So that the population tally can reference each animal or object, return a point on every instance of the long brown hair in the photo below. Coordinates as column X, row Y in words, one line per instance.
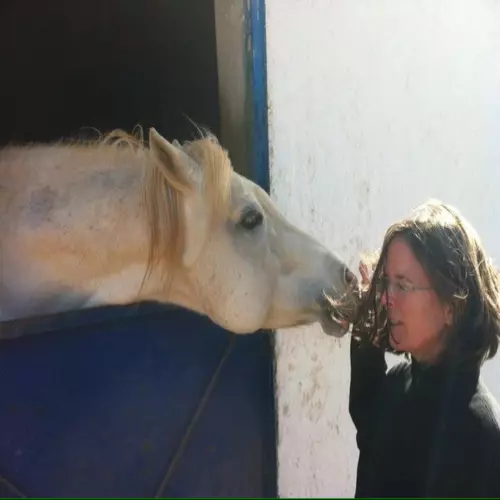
column 463, row 276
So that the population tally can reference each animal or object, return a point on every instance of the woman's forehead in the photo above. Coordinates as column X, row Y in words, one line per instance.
column 401, row 262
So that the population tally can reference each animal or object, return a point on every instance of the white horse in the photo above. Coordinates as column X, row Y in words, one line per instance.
column 118, row 222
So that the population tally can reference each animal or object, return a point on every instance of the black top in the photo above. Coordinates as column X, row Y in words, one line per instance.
column 422, row 431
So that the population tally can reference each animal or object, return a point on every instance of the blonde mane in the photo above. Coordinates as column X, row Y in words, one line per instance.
column 164, row 189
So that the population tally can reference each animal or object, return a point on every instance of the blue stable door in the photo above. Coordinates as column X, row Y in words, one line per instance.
column 159, row 403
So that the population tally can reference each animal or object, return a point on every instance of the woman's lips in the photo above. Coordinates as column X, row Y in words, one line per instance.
column 393, row 327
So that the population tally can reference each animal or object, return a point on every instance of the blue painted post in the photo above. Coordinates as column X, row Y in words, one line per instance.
column 255, row 33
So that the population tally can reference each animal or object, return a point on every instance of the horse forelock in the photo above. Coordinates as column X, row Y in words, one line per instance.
column 163, row 199
column 217, row 171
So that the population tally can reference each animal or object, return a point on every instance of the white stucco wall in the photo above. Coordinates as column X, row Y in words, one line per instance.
column 363, row 95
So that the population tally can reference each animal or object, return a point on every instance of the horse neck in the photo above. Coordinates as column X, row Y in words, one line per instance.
column 123, row 242
column 129, row 286
column 84, row 241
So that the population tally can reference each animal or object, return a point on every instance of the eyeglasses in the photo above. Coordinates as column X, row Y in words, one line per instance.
column 398, row 287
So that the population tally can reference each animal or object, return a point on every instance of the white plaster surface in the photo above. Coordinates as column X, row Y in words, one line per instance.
column 374, row 107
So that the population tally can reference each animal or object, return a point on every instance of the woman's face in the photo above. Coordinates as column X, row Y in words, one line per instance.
column 417, row 317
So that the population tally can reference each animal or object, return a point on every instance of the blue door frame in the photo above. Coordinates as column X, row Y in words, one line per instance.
column 143, row 400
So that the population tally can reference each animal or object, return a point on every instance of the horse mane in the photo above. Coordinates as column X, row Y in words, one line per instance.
column 163, row 190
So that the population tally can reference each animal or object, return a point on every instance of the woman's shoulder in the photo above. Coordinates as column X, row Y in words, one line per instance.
column 485, row 409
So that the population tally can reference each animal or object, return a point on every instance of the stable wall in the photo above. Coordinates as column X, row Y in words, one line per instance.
column 373, row 108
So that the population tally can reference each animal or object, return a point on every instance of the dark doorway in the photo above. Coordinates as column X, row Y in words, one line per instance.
column 106, row 64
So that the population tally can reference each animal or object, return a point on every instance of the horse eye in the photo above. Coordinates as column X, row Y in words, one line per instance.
column 251, row 219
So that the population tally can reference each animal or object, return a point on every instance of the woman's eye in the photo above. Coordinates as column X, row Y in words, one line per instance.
column 404, row 287
column 251, row 219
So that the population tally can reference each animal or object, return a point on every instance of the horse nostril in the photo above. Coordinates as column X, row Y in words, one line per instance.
column 350, row 278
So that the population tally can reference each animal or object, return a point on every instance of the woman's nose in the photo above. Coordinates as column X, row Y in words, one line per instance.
column 387, row 299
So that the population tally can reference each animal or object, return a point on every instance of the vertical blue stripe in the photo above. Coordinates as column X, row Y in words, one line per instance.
column 257, row 79
column 257, row 111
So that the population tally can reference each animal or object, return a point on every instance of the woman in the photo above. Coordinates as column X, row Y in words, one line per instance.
column 427, row 427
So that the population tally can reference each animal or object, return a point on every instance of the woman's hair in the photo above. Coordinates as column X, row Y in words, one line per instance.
column 451, row 253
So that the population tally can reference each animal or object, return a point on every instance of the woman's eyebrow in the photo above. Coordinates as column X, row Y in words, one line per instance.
column 402, row 277
column 399, row 276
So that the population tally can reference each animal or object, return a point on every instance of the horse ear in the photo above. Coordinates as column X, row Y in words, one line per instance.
column 179, row 168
